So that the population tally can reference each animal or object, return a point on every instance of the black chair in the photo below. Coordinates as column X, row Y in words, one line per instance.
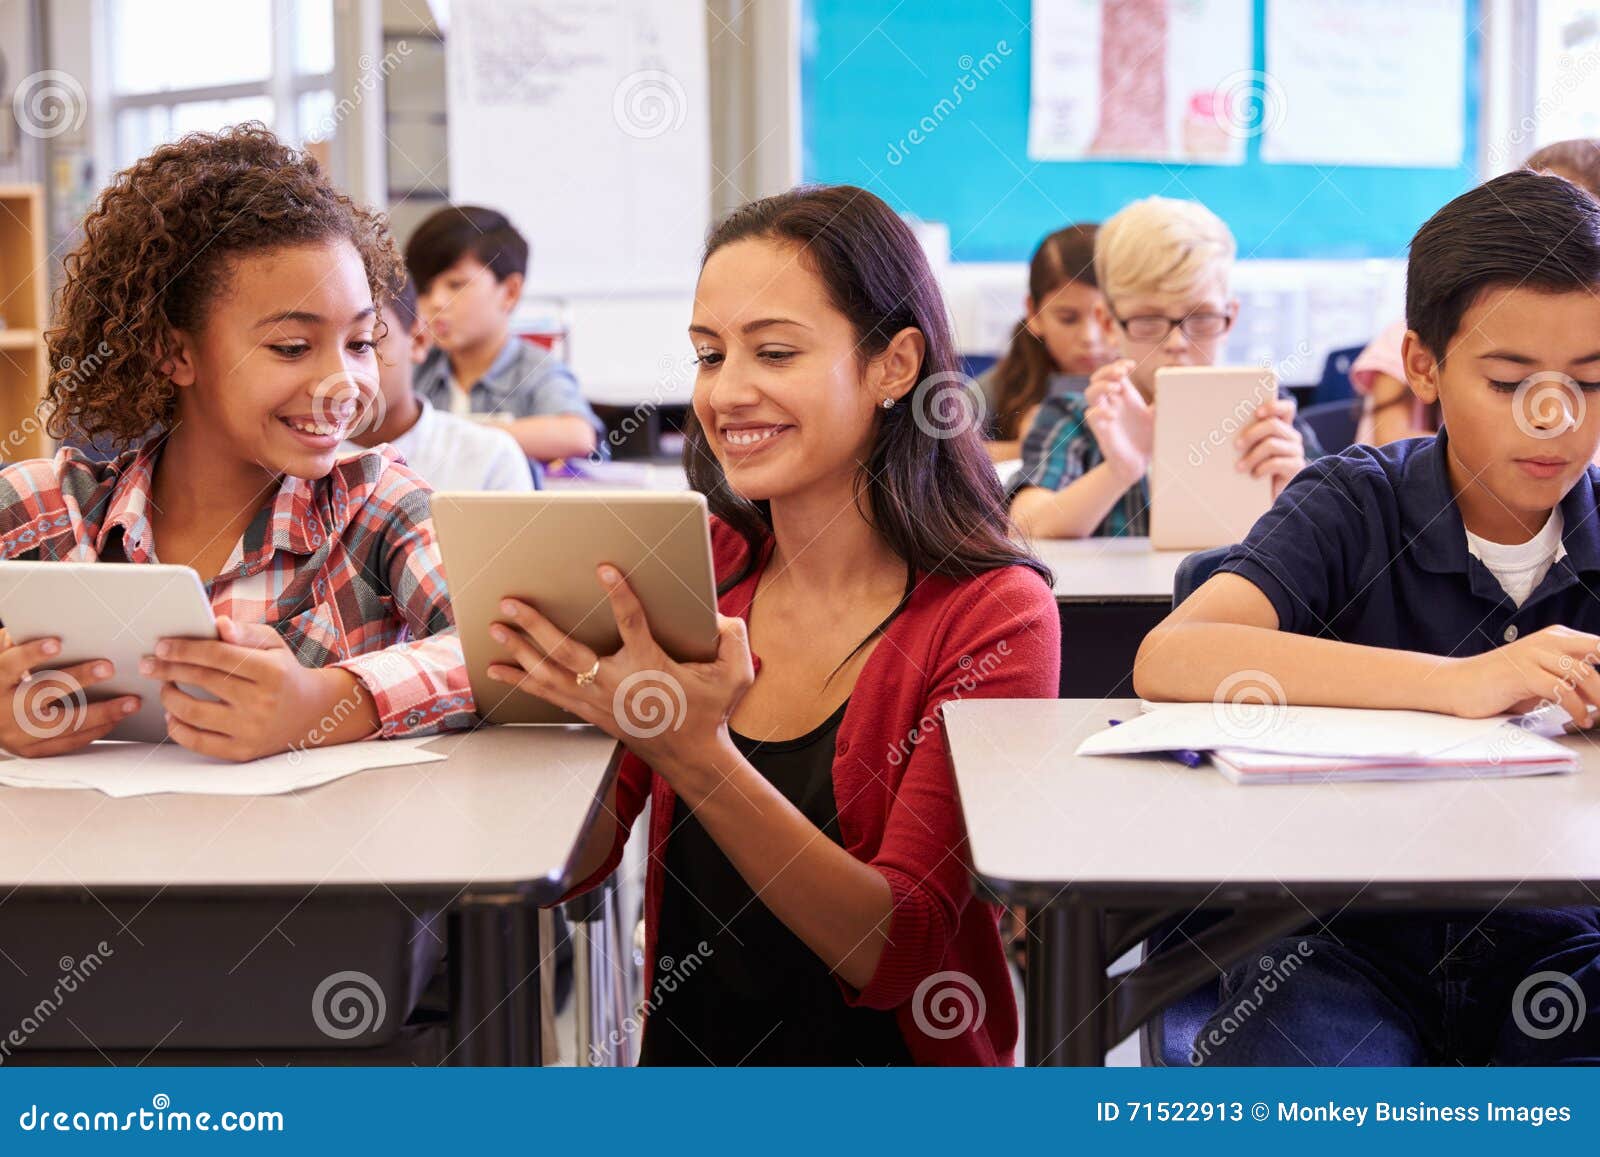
column 1167, row 1038
column 1334, row 423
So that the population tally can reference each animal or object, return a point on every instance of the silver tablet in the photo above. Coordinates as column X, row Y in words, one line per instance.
column 105, row 610
column 544, row 547
column 1198, row 498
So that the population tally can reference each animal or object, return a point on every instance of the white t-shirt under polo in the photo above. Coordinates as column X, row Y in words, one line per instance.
column 1522, row 567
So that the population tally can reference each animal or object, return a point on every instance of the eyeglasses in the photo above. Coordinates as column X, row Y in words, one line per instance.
column 1154, row 327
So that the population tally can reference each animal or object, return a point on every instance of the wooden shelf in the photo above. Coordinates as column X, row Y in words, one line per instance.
column 24, row 360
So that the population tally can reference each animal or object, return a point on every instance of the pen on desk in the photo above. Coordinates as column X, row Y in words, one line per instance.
column 1187, row 758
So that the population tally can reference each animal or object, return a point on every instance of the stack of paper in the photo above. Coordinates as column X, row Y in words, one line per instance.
column 129, row 769
column 1276, row 744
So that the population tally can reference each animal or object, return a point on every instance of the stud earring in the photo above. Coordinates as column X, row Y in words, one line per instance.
column 888, row 403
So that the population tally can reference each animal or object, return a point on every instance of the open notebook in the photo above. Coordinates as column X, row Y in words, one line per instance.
column 1494, row 758
column 1276, row 744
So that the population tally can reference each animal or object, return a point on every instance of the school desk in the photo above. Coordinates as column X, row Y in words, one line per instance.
column 1101, row 851
column 217, row 886
column 1110, row 592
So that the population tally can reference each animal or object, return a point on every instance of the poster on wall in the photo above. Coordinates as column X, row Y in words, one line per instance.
column 1353, row 89
column 1143, row 80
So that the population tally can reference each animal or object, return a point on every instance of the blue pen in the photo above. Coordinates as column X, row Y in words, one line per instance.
column 1187, row 758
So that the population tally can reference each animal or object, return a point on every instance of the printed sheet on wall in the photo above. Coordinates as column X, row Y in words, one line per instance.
column 1143, row 80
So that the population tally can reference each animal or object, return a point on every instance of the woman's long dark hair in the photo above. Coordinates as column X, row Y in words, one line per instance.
column 1022, row 376
column 929, row 487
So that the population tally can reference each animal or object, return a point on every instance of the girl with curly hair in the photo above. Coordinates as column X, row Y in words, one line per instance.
column 219, row 319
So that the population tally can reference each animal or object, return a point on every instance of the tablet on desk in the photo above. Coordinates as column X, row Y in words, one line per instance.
column 113, row 611
column 544, row 548
column 1198, row 497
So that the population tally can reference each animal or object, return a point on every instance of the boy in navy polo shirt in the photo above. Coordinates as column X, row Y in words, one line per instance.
column 1458, row 574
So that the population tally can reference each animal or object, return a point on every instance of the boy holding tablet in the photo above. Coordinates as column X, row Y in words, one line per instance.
column 1163, row 267
column 1454, row 574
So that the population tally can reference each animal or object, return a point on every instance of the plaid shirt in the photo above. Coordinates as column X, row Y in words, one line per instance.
column 345, row 568
column 1060, row 449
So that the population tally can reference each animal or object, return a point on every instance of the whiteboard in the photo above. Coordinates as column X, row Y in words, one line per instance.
column 587, row 123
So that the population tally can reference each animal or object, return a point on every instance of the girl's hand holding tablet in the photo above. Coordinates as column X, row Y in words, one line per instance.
column 49, row 715
column 672, row 715
column 267, row 703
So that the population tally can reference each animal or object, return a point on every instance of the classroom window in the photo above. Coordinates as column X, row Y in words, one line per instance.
column 1566, row 71
column 270, row 60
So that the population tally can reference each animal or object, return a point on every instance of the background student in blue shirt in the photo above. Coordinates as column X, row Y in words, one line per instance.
column 1454, row 574
column 468, row 264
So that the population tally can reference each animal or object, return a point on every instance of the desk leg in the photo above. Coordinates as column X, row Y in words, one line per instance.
column 494, row 981
column 1067, row 1007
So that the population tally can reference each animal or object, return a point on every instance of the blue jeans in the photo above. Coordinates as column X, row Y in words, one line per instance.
column 1509, row 987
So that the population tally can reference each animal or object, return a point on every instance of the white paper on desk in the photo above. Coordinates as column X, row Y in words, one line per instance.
column 1332, row 732
column 121, row 770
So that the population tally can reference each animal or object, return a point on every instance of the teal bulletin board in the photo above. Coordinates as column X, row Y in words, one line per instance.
column 871, row 70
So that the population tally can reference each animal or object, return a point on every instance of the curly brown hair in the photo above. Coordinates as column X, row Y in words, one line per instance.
column 157, row 250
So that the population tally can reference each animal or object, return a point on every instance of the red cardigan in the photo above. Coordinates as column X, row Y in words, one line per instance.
column 996, row 636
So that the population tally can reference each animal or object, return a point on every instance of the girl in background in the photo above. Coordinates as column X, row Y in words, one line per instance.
column 1056, row 346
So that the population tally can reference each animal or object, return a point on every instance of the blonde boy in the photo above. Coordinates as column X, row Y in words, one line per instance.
column 1164, row 267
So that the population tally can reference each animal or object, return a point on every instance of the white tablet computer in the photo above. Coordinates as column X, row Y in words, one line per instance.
column 107, row 610
column 544, row 547
column 1198, row 499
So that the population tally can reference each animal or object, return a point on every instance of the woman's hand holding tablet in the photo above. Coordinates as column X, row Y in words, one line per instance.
column 672, row 715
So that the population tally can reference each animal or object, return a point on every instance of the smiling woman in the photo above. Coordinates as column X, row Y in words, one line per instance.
column 226, row 294
column 807, row 850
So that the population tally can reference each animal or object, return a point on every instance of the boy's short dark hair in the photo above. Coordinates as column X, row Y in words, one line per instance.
column 1530, row 230
column 459, row 231
column 404, row 305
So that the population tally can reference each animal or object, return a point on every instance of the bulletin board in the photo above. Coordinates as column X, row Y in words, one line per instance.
column 927, row 104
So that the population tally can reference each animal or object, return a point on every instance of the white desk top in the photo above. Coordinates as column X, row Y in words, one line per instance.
column 507, row 807
column 1109, row 569
column 1037, row 814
